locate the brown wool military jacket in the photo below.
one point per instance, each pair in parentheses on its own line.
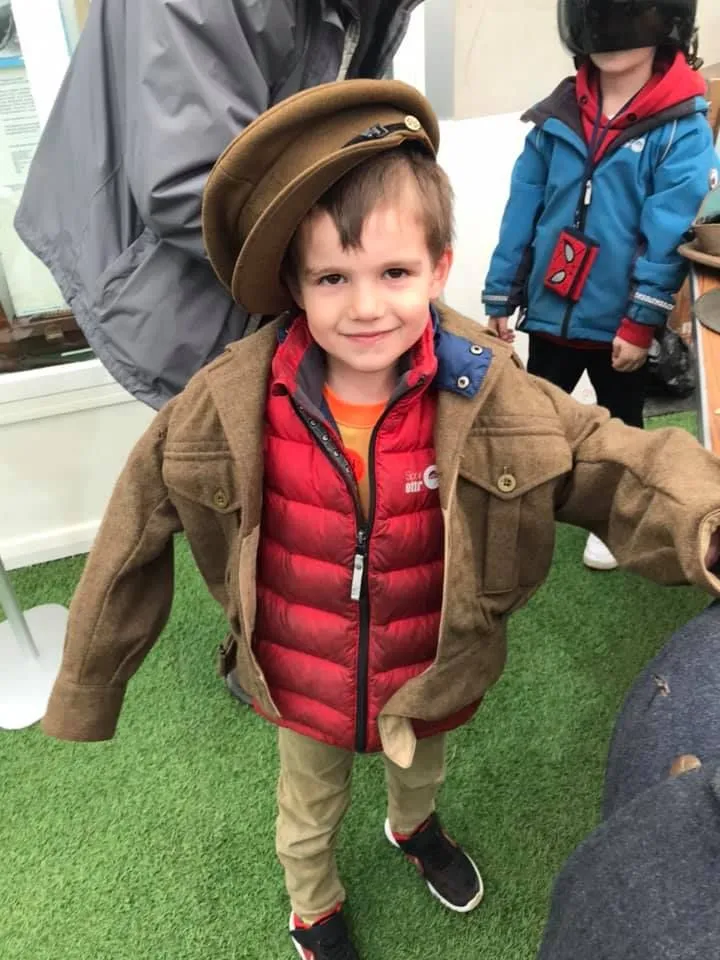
(512,461)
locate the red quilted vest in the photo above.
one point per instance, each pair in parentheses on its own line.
(348,608)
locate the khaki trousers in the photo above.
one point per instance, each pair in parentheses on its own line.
(313,797)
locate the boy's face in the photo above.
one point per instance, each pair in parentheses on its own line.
(624,61)
(369,306)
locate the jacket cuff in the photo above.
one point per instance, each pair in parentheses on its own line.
(497,305)
(649,309)
(711,579)
(80,712)
(639,334)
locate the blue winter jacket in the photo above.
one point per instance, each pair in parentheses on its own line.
(646,192)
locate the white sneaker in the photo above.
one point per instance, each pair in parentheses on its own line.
(597,556)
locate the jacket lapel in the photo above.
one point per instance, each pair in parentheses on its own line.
(456,413)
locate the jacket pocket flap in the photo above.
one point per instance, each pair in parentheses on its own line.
(209,480)
(508,465)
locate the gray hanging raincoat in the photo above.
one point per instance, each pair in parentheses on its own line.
(155,91)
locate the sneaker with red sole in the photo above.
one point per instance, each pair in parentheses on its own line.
(327,939)
(448,871)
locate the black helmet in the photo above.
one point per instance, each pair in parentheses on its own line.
(604,26)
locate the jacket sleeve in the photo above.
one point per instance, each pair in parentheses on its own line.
(681,181)
(511,262)
(652,496)
(123,600)
(194,83)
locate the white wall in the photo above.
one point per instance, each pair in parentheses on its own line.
(508,54)
(478,154)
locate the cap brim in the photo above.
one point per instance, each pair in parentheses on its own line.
(256,281)
(242,178)
(691,252)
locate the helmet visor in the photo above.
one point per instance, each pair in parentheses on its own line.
(604,26)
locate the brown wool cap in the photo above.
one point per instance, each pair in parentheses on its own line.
(274,172)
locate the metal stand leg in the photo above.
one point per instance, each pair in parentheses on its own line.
(31,645)
(18,623)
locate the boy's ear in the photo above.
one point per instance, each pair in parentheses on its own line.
(441,271)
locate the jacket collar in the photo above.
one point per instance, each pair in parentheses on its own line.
(238,382)
(451,362)
(560,115)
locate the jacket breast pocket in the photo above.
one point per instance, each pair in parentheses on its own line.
(204,487)
(512,480)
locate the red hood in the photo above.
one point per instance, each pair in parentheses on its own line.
(669,86)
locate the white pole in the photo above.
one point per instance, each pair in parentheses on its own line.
(45,50)
(18,623)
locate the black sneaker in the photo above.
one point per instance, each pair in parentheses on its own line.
(448,871)
(328,939)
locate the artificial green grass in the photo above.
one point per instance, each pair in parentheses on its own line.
(159,844)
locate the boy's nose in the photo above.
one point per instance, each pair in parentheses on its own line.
(366,304)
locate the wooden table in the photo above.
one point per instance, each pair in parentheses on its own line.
(707,345)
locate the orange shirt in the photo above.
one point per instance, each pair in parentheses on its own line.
(356,422)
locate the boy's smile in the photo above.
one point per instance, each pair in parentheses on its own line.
(368,306)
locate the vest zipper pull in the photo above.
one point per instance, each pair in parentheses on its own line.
(357,577)
(588,193)
(359,564)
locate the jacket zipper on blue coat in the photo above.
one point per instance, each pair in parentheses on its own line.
(583,207)
(581,220)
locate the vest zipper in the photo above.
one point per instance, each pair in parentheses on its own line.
(358,586)
(361,708)
(359,582)
(362,549)
(359,564)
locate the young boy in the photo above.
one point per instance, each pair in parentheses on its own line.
(612,174)
(369,485)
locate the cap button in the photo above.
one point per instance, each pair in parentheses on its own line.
(412,123)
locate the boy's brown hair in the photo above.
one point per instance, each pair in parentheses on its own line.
(351,200)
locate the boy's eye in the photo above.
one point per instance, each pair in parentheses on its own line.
(395,273)
(331,280)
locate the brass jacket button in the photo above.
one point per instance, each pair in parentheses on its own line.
(220,499)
